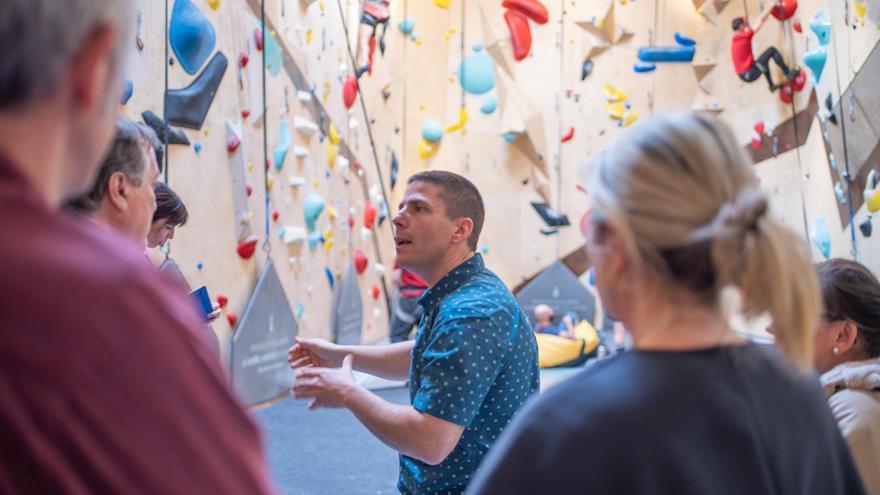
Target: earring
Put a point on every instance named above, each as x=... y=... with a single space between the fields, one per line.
x=835 y=351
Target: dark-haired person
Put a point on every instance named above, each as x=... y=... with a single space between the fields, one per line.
x=122 y=197
x=474 y=361
x=744 y=62
x=847 y=355
x=170 y=214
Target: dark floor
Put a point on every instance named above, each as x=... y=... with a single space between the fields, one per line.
x=327 y=451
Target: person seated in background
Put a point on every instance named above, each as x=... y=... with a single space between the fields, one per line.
x=678 y=219
x=847 y=355
x=170 y=213
x=122 y=197
x=544 y=314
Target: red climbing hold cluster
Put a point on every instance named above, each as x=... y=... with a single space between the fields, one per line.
x=792 y=86
x=517 y=18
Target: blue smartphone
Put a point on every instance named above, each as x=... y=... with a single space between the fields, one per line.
x=203 y=301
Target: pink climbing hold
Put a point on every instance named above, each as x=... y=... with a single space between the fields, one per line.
x=232 y=144
x=784 y=9
x=349 y=90
x=360 y=261
x=258 y=38
x=568 y=135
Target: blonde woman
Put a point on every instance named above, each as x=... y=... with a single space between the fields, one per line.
x=677 y=217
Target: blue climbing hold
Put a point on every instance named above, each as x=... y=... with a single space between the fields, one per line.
x=684 y=40
x=283 y=144
x=313 y=240
x=476 y=73
x=300 y=307
x=271 y=50
x=199 y=265
x=822 y=237
x=330 y=277
x=198 y=147
x=407 y=25
x=666 y=53
x=312 y=208
x=191 y=35
x=644 y=67
x=821 y=25
x=509 y=136
x=432 y=131
x=128 y=90
x=490 y=103
x=815 y=60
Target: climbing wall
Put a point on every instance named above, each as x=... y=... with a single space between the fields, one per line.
x=457 y=88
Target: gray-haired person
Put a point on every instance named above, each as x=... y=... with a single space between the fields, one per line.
x=105 y=386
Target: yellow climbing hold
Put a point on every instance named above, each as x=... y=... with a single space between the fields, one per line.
x=309 y=35
x=613 y=94
x=270 y=183
x=861 y=7
x=331 y=212
x=616 y=110
x=315 y=182
x=442 y=3
x=630 y=117
x=332 y=152
x=333 y=134
x=426 y=149
x=214 y=4
x=462 y=120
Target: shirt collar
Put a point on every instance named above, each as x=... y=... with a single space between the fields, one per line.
x=451 y=281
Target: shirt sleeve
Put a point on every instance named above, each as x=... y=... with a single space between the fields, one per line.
x=460 y=363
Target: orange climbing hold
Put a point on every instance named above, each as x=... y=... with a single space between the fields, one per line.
x=532 y=9
x=349 y=90
x=520 y=33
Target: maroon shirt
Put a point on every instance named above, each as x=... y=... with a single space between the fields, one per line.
x=105 y=386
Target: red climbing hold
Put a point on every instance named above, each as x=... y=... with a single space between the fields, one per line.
x=568 y=135
x=249 y=189
x=275 y=215
x=246 y=247
x=520 y=33
x=758 y=135
x=797 y=26
x=232 y=144
x=375 y=291
x=360 y=261
x=799 y=80
x=349 y=90
x=532 y=9
x=243 y=59
x=231 y=318
x=759 y=127
x=786 y=92
x=784 y=9
x=222 y=300
x=351 y=221
x=245 y=113
x=369 y=215
x=258 y=38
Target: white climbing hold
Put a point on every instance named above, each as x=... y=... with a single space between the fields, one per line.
x=293 y=235
x=297 y=181
x=303 y=96
x=300 y=151
x=304 y=125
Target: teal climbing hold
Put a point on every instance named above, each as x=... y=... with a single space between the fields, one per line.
x=312 y=208
x=272 y=51
x=407 y=25
x=476 y=73
x=432 y=131
x=822 y=237
x=313 y=240
x=490 y=103
x=300 y=308
x=191 y=35
x=821 y=25
x=127 y=90
x=815 y=60
x=510 y=136
x=283 y=144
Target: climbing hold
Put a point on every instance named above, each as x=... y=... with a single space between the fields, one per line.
x=128 y=90
x=532 y=9
x=799 y=80
x=300 y=308
x=198 y=147
x=484 y=249
x=815 y=60
x=667 y=53
x=275 y=215
x=490 y=103
x=247 y=246
x=369 y=215
x=871 y=193
x=333 y=134
x=313 y=240
x=232 y=143
x=613 y=94
x=258 y=38
x=568 y=135
x=191 y=36
x=332 y=152
x=426 y=149
x=300 y=151
x=304 y=125
x=222 y=300
x=784 y=9
x=821 y=25
x=476 y=73
x=684 y=40
x=644 y=67
x=550 y=216
x=360 y=261
x=349 y=90
x=866 y=227
x=587 y=68
x=199 y=266
x=822 y=237
x=283 y=144
x=758 y=135
x=462 y=120
x=214 y=4
x=231 y=318
x=164 y=132
x=407 y=25
x=432 y=131
x=330 y=278
x=510 y=136
x=786 y=93
x=245 y=113
x=189 y=106
x=520 y=34
x=296 y=181
x=249 y=190
x=395 y=169
x=375 y=292
x=798 y=28
x=312 y=208
x=243 y=59
x=272 y=51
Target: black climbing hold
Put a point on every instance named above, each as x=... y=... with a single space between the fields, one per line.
x=829 y=105
x=550 y=216
x=189 y=106
x=395 y=168
x=163 y=130
x=866 y=227
x=587 y=68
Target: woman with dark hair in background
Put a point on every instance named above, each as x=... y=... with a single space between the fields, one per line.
x=848 y=358
x=170 y=214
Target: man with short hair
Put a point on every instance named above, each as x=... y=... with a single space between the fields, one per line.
x=474 y=361
x=105 y=386
x=122 y=197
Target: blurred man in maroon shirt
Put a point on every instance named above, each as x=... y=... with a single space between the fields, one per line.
x=104 y=385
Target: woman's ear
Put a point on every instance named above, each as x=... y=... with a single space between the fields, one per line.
x=847 y=334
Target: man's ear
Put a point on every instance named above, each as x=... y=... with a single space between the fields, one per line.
x=91 y=68
x=463 y=228
x=118 y=191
